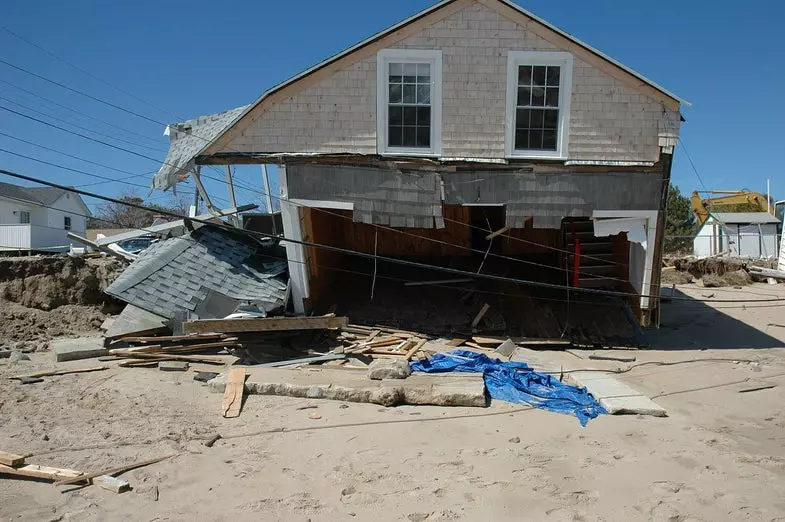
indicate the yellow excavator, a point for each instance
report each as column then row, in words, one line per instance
column 701, row 205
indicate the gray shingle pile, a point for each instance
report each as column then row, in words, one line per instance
column 181, row 276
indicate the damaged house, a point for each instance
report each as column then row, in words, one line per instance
column 473, row 136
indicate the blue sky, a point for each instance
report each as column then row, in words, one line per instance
column 186, row 59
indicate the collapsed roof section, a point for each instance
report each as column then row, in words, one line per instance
column 186, row 140
column 206, row 273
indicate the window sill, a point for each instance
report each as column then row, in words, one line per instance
column 538, row 156
column 410, row 152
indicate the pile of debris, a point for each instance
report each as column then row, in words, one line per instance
column 714, row 271
column 45, row 297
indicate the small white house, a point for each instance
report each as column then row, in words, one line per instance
column 739, row 234
column 39, row 218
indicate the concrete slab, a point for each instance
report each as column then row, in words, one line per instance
column 354, row 386
column 617, row 397
column 79, row 348
column 173, row 366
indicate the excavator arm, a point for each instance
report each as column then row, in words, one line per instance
column 702, row 206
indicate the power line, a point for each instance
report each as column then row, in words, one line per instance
column 403, row 262
column 80, row 113
column 81, row 93
column 84, row 71
column 136, row 144
column 508, row 258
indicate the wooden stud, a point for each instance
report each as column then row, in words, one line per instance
column 40, row 472
column 111, row 472
column 233, row 395
column 414, row 349
column 266, row 324
column 480, row 314
column 9, row 459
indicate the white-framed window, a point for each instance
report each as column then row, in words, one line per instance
column 24, row 217
column 67, row 222
column 539, row 88
column 409, row 102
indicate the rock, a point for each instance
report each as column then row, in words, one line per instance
column 315, row 416
column 30, row 380
column 17, row 356
column 515, row 440
column 418, row 517
column 173, row 366
column 5, row 354
column 204, row 376
column 343, row 406
column 388, row 369
column 110, row 483
column 150, row 491
column 351, row 490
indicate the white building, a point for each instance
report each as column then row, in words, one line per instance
column 740, row 234
column 39, row 218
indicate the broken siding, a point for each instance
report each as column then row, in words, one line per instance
column 382, row 197
column 609, row 121
column 550, row 197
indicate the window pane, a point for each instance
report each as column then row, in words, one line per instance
column 538, row 96
column 410, row 73
column 395, row 136
column 538, row 75
column 552, row 97
column 537, row 119
column 410, row 115
column 525, row 75
column 409, row 93
column 423, row 73
column 549, row 140
column 522, row 119
column 423, row 116
column 396, row 115
column 551, row 119
column 410, row 136
column 522, row 139
column 524, row 96
column 424, row 94
column 423, row 136
column 554, row 75
column 535, row 139
column 396, row 73
column 395, row 93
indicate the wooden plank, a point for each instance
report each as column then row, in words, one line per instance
column 173, row 338
column 480, row 314
column 9, row 459
column 438, row 282
column 495, row 341
column 266, row 324
column 229, row 342
column 111, row 472
column 60, row 372
column 233, row 395
column 478, row 347
column 497, row 233
column 40, row 472
column 373, row 335
column 414, row 349
column 456, row 342
column 169, row 357
column 304, row 360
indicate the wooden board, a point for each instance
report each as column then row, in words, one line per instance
column 41, row 472
column 456, row 342
column 81, row 477
column 173, row 338
column 58, row 372
column 233, row 395
column 414, row 349
column 9, row 459
column 266, row 324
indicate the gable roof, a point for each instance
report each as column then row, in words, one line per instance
column 45, row 196
column 497, row 4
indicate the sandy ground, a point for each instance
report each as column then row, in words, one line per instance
column 718, row 456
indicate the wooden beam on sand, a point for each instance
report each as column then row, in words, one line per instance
column 233, row 395
column 40, row 472
column 111, row 472
column 10, row 459
column 265, row 324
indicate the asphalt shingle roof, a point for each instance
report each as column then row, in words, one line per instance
column 179, row 274
column 186, row 140
column 40, row 195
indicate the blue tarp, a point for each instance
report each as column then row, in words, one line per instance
column 517, row 382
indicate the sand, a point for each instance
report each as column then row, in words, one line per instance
column 718, row 456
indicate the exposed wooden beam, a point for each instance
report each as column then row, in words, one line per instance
column 266, row 324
